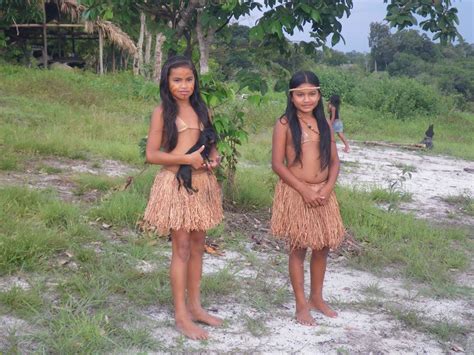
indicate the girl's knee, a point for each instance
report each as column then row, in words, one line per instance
column 320, row 252
column 183, row 249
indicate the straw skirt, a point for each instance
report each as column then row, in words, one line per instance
column 172, row 208
column 302, row 226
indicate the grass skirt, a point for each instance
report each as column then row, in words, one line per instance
column 172, row 208
column 302, row 226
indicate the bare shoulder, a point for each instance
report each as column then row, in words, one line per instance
column 157, row 116
column 282, row 122
column 157, row 113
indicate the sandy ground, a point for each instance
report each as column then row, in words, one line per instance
column 366, row 321
column 432, row 178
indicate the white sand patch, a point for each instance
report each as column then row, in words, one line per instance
column 434, row 177
column 8, row 283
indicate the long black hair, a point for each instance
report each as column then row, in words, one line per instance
column 296, row 80
column 168, row 102
column 335, row 100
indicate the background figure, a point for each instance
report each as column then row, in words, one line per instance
column 336, row 122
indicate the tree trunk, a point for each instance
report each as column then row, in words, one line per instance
column 205, row 41
column 149, row 38
column 45, row 39
column 138, row 61
column 160, row 40
column 101, row 52
column 113, row 58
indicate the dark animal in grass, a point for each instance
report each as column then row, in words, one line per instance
column 207, row 138
column 428, row 140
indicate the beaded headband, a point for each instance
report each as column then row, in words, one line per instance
column 307, row 88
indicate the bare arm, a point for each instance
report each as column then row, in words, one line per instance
column 332, row 114
column 334, row 164
column 278, row 157
column 153, row 153
column 333, row 172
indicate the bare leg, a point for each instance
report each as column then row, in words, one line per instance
column 318, row 270
column 296, row 268
column 194, row 281
column 178, row 275
column 344, row 140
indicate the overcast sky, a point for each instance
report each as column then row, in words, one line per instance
column 355, row 29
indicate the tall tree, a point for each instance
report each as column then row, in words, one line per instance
column 382, row 45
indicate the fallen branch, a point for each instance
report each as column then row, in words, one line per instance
column 416, row 146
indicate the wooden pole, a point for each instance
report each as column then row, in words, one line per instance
column 45, row 39
column 113, row 58
column 101, row 52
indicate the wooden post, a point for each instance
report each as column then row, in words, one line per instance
column 45, row 39
column 101, row 52
column 113, row 58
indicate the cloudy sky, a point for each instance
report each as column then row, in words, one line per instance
column 355, row 29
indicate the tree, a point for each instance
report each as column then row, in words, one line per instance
column 382, row 46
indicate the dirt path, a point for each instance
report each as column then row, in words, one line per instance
column 376, row 314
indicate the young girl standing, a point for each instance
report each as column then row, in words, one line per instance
column 175, row 127
column 336, row 122
column 305, row 210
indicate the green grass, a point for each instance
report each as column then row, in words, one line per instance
column 72, row 114
column 465, row 202
column 253, row 188
column 421, row 252
column 255, row 325
column 220, row 283
column 443, row 329
column 23, row 303
column 49, row 169
column 88, row 182
column 373, row 290
column 380, row 195
column 450, row 138
column 34, row 226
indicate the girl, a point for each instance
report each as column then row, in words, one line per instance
column 175, row 127
column 305, row 210
column 336, row 123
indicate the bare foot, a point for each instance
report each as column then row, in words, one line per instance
column 304, row 317
column 191, row 330
column 323, row 307
column 200, row 315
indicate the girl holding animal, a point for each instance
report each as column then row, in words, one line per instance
column 305, row 210
column 184, row 211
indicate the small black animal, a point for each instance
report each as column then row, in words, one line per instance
column 428, row 140
column 207, row 138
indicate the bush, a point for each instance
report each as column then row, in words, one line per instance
column 401, row 97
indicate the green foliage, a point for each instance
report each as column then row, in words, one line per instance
column 441, row 17
column 401, row 97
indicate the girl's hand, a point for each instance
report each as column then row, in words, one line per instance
column 195, row 158
column 212, row 164
column 315, row 198
column 311, row 197
column 324, row 194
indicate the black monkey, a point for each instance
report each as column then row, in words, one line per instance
column 207, row 138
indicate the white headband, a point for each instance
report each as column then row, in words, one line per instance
column 307, row 88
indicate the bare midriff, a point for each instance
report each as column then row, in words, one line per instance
column 186, row 139
column 309, row 168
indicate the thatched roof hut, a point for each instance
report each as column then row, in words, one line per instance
column 52, row 11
